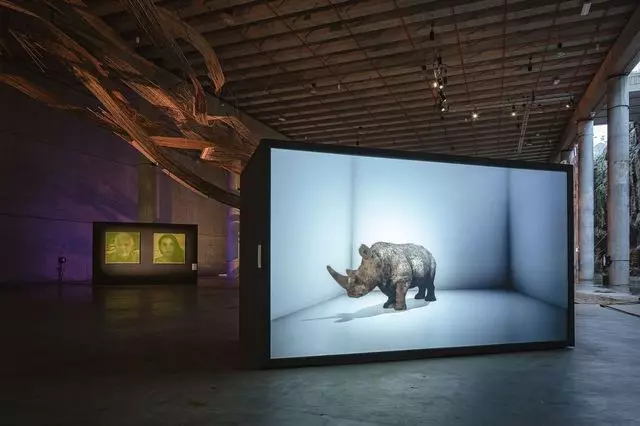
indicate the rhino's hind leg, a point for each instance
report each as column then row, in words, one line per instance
column 431, row 290
column 422, row 288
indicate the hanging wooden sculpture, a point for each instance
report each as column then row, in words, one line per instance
column 137, row 100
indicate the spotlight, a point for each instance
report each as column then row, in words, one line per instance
column 474, row 115
column 443, row 109
column 513, row 110
column 586, row 7
column 432, row 34
column 435, row 84
column 560, row 52
column 568, row 105
column 441, row 86
column 513, row 113
column 313, row 88
column 556, row 81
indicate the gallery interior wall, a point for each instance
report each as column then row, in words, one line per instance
column 539, row 246
column 60, row 173
column 310, row 227
column 458, row 212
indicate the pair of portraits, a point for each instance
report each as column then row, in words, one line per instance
column 124, row 247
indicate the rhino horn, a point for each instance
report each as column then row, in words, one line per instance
column 340, row 279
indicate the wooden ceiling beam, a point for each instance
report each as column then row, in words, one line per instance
column 258, row 80
column 376, row 44
column 531, row 15
column 435, row 127
column 457, row 147
column 394, row 75
column 539, row 129
column 408, row 102
column 408, row 141
column 516, row 82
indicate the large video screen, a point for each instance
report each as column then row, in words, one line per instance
column 372, row 254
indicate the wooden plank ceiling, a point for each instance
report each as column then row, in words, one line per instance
column 361, row 71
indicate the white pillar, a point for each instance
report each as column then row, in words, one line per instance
column 586, row 207
column 618, row 179
column 233, row 230
column 147, row 191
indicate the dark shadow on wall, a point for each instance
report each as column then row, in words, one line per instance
column 509, row 284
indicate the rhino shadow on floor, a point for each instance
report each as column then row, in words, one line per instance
column 372, row 311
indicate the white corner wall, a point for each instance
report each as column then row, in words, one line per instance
column 538, row 215
column 458, row 212
column 310, row 227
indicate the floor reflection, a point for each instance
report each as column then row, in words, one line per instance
column 123, row 304
column 132, row 328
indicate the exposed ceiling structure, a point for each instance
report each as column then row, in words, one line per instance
column 361, row 72
column 159, row 114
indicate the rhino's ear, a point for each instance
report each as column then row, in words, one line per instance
column 365, row 251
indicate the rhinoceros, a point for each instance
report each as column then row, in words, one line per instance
column 394, row 268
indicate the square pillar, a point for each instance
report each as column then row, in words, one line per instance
column 147, row 191
column 233, row 230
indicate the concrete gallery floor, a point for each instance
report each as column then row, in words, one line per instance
column 458, row 318
column 168, row 356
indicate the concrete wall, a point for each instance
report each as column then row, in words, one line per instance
column 60, row 173
column 310, row 227
column 538, row 222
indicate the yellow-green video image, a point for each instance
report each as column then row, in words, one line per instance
column 122, row 247
column 168, row 248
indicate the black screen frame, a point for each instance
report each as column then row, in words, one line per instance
column 255, row 260
column 145, row 272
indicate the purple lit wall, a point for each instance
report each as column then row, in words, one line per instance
column 60, row 174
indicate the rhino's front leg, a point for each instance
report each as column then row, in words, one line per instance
column 402, row 285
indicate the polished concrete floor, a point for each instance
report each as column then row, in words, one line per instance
column 458, row 318
column 168, row 356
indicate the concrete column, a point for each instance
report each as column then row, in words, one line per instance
column 233, row 230
column 586, row 220
column 147, row 191
column 618, row 179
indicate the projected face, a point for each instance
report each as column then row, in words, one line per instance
column 169, row 248
column 122, row 247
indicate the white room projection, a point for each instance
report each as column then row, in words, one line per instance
column 421, row 255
